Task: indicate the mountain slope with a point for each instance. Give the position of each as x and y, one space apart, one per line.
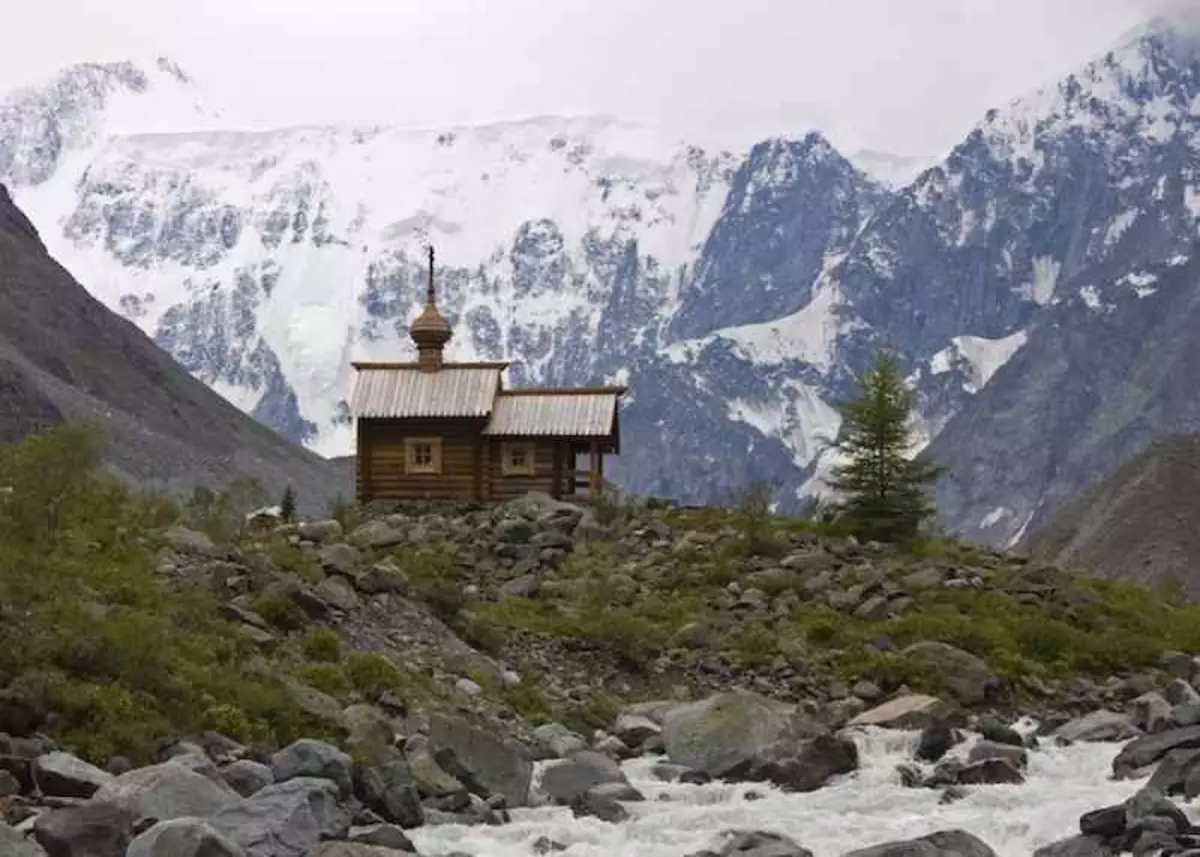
63 355
1141 523
1107 170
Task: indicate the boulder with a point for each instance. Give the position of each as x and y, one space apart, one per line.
911 711
285 819
92 829
1178 773
1077 846
1099 725
320 531
165 791
730 730
755 843
984 750
802 767
1142 752
307 758
635 729
63 775
247 777
936 741
966 675
376 535
391 791
555 741
1152 713
358 849
591 804
383 577
565 780
943 843
183 837
481 760
382 836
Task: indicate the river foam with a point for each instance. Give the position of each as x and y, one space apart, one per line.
858 810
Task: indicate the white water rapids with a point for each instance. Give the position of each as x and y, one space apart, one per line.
865 808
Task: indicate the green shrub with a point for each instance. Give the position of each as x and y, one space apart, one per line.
280 611
755 646
371 674
322 644
325 678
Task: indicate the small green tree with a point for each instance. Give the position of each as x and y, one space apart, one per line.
882 488
287 506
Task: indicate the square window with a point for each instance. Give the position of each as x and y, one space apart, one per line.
423 455
517 459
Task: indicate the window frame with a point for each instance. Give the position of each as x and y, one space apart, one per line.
507 468
434 468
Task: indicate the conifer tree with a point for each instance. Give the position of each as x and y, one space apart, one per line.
882 488
287 506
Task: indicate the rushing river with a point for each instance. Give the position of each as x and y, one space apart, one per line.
863 809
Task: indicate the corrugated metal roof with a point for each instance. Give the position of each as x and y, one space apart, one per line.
585 414
393 392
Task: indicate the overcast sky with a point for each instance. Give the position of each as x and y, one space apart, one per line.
901 75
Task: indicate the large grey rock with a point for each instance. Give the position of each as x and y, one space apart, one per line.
92 829
718 734
567 779
756 843
1078 846
285 819
1099 725
167 791
13 843
391 790
555 741
943 843
246 776
183 837
635 729
1152 713
1148 749
910 711
498 766
307 758
966 676
320 531
381 836
60 774
358 849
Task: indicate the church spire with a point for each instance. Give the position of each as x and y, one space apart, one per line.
430 330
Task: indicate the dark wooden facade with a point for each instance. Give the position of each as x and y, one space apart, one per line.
468 465
431 430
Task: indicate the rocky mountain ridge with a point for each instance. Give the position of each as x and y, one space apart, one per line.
736 293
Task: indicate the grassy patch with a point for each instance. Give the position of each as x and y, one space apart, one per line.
91 631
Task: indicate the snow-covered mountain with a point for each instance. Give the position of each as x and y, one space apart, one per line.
736 291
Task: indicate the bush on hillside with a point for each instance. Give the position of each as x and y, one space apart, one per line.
80 598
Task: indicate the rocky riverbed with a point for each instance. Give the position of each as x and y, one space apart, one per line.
735 774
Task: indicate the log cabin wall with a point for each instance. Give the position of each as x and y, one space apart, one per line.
548 469
382 472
